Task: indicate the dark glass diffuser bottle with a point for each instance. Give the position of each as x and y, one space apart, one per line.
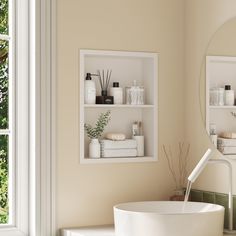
104 83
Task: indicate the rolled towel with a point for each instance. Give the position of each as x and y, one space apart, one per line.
119 153
126 144
229 135
115 136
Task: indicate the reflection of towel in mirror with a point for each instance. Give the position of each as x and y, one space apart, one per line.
227 150
226 142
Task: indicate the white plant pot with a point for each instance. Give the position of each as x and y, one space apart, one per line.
94 149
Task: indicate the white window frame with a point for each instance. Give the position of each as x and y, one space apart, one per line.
43 118
18 121
35 67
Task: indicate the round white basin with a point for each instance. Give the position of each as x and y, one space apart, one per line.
168 219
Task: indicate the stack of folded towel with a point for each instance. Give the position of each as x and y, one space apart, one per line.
226 146
124 148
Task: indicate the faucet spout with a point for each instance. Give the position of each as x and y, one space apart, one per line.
200 166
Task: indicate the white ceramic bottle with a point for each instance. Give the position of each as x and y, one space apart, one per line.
229 96
89 90
117 93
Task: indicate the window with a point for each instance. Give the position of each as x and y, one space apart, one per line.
6 131
26 98
14 120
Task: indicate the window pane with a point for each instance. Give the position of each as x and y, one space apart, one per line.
4 179
3 84
3 16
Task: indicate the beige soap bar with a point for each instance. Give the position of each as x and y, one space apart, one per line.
115 136
228 135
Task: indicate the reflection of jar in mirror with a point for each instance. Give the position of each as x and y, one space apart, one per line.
214 97
229 96
127 95
140 95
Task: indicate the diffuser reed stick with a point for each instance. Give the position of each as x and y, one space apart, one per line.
104 80
178 170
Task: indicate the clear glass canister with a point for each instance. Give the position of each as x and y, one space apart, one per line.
214 97
134 95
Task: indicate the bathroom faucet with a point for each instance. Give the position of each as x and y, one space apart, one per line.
198 169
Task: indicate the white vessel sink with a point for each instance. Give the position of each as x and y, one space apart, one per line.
168 219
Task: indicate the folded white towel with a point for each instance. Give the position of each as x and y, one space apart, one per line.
126 144
119 153
227 150
226 142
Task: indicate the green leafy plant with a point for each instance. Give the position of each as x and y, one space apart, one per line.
96 132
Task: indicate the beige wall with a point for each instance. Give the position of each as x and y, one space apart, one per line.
86 193
202 19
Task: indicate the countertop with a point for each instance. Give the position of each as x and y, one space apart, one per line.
107 230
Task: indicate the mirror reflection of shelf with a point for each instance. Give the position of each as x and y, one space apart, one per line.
220 119
222 107
230 156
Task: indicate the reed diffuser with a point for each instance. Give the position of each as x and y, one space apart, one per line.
104 80
178 165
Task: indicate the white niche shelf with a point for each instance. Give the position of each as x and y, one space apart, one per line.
126 67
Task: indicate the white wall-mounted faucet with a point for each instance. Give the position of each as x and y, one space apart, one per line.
199 168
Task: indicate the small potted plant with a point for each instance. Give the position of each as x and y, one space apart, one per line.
94 133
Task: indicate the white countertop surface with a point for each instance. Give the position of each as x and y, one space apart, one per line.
107 230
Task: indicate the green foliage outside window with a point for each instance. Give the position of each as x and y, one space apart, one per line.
3 113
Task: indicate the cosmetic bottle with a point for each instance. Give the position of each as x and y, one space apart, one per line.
213 134
89 90
229 96
117 93
138 136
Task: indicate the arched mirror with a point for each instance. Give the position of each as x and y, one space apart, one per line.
218 89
